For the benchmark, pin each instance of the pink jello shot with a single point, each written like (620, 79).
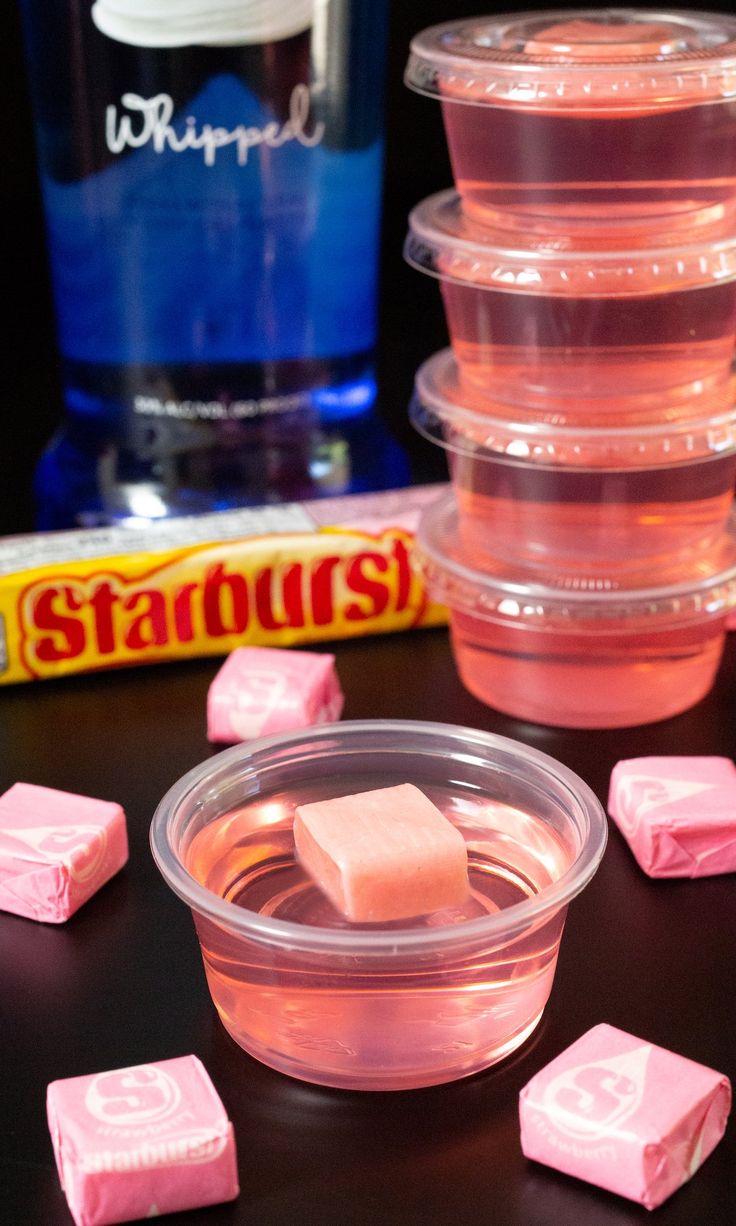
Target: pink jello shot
(139, 1142)
(592, 500)
(615, 332)
(616, 123)
(579, 650)
(387, 854)
(678, 814)
(261, 690)
(56, 850)
(625, 1115)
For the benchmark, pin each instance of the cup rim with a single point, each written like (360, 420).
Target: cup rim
(468, 55)
(597, 604)
(445, 242)
(585, 809)
(434, 408)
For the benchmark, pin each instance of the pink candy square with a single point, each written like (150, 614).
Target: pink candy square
(56, 850)
(263, 690)
(678, 814)
(624, 1115)
(383, 855)
(138, 1142)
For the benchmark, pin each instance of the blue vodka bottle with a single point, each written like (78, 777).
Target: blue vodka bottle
(211, 177)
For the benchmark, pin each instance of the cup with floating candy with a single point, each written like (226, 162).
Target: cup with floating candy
(312, 961)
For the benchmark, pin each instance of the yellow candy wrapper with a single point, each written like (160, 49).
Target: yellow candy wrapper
(275, 576)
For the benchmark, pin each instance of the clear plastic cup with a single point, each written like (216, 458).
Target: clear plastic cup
(577, 653)
(601, 501)
(614, 122)
(621, 333)
(379, 1006)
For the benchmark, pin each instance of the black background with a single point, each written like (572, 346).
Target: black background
(121, 983)
(411, 321)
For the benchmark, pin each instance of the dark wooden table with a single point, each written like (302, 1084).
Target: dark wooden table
(122, 982)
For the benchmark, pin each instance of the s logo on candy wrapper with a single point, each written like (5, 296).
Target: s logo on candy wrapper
(80, 848)
(140, 1095)
(265, 693)
(594, 1099)
(266, 688)
(639, 795)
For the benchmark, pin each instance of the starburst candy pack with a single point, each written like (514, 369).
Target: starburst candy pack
(276, 576)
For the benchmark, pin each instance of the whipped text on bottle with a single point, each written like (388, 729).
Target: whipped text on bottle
(177, 24)
(149, 122)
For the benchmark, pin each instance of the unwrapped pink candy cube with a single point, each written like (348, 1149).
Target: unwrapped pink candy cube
(624, 1115)
(677, 814)
(138, 1142)
(56, 850)
(261, 690)
(383, 855)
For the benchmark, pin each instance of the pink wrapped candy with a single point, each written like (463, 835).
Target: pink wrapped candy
(260, 690)
(138, 1142)
(677, 814)
(625, 1115)
(56, 850)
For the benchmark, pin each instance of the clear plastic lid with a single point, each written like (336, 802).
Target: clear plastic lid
(512, 596)
(446, 243)
(442, 410)
(591, 59)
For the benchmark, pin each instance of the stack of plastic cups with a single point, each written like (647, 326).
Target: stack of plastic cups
(587, 263)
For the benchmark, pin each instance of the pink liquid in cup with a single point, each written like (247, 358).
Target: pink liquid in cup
(391, 1005)
(591, 347)
(614, 123)
(600, 521)
(595, 501)
(624, 334)
(574, 679)
(385, 1015)
(579, 653)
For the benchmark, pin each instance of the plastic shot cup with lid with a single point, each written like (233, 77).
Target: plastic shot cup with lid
(612, 121)
(600, 501)
(393, 1005)
(637, 334)
(577, 653)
